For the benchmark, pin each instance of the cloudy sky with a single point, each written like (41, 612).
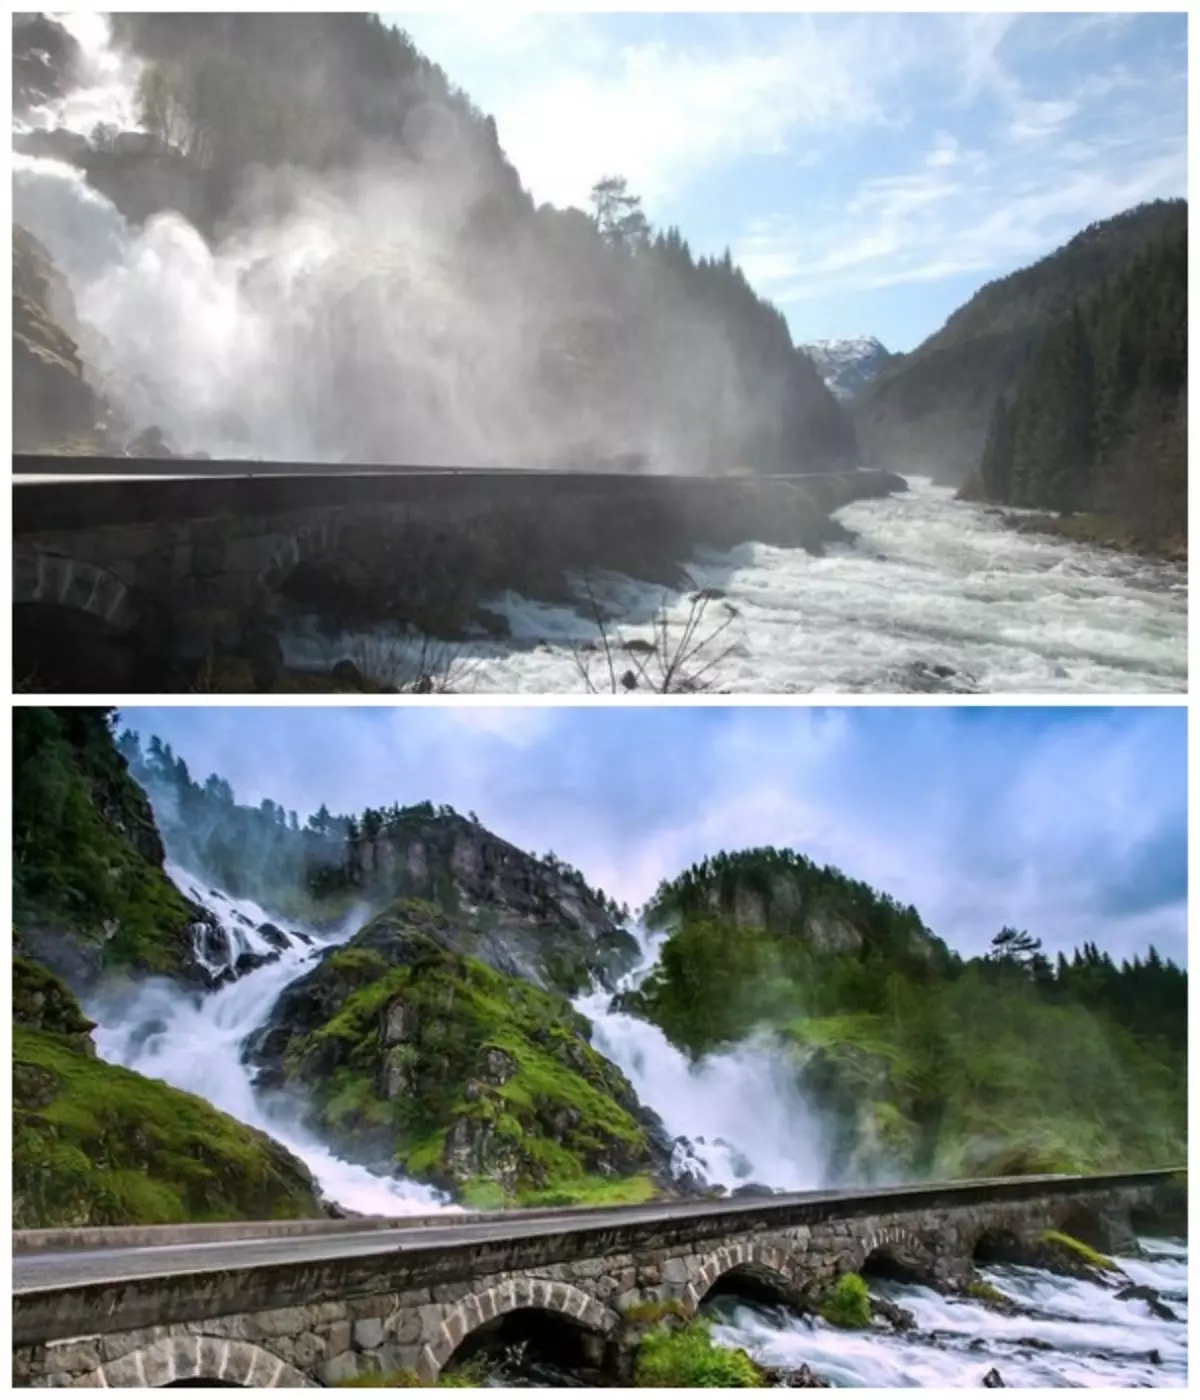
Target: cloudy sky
(869, 171)
(1068, 822)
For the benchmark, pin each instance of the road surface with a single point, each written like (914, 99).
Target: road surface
(67, 1268)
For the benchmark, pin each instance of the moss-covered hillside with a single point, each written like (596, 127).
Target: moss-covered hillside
(94, 1144)
(89, 892)
(920, 1061)
(475, 1080)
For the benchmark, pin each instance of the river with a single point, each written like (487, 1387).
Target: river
(934, 594)
(1068, 1333)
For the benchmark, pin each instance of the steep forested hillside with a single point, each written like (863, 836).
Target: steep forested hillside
(94, 1144)
(928, 411)
(1098, 420)
(89, 892)
(927, 1062)
(549, 336)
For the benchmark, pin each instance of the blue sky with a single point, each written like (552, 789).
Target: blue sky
(869, 171)
(1068, 822)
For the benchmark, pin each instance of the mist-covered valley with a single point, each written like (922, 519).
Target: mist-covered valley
(399, 1013)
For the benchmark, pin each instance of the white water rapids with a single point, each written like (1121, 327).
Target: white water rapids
(929, 582)
(1069, 1333)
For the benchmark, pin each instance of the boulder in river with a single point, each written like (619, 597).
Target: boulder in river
(1143, 1293)
(793, 1378)
(994, 1380)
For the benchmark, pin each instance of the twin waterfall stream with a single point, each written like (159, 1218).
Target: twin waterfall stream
(744, 1120)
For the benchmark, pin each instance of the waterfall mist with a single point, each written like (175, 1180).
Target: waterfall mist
(193, 1040)
(398, 298)
(741, 1110)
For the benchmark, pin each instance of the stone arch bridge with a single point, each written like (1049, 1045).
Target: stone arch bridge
(315, 1303)
(223, 539)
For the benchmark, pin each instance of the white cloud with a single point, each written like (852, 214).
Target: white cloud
(1071, 830)
(577, 102)
(943, 218)
(1000, 159)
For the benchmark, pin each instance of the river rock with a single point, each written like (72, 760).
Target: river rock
(752, 1190)
(275, 936)
(994, 1380)
(801, 1377)
(251, 962)
(900, 1318)
(1143, 1293)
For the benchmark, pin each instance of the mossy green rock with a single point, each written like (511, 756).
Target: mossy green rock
(89, 890)
(847, 1303)
(94, 1144)
(44, 1002)
(416, 1056)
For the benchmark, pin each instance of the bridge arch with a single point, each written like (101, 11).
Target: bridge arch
(41, 576)
(1104, 1226)
(999, 1239)
(898, 1247)
(199, 1359)
(511, 1296)
(766, 1262)
(290, 549)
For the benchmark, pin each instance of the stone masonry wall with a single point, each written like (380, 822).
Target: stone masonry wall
(420, 1329)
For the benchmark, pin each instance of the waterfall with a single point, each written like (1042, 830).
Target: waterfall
(193, 1040)
(740, 1110)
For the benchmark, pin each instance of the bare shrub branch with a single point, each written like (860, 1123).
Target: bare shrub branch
(666, 666)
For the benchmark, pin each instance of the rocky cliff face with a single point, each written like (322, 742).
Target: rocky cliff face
(46, 61)
(518, 914)
(54, 407)
(781, 894)
(408, 1052)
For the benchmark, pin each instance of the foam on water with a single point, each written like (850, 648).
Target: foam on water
(194, 1040)
(740, 1109)
(929, 582)
(107, 86)
(1069, 1333)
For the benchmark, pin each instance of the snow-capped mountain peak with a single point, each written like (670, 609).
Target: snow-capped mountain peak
(847, 365)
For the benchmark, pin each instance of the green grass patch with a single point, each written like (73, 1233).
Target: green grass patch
(1077, 1247)
(654, 1311)
(688, 1356)
(594, 1191)
(847, 1303)
(95, 1144)
(484, 1195)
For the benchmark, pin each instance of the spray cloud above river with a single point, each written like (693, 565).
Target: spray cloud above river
(403, 304)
